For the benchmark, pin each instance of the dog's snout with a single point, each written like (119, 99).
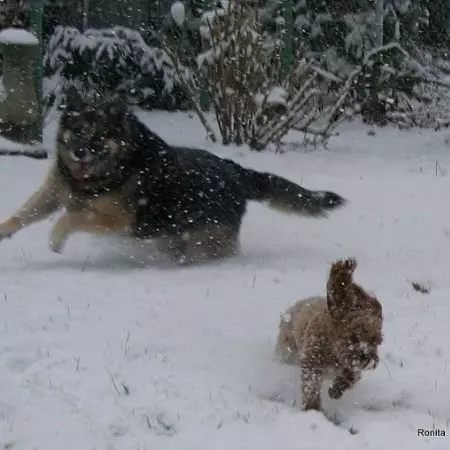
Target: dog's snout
(80, 154)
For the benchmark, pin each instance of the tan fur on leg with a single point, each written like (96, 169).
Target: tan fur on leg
(39, 206)
(211, 243)
(200, 245)
(286, 348)
(311, 379)
(312, 372)
(89, 222)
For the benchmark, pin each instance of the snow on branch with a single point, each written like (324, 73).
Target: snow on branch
(411, 63)
(255, 101)
(190, 92)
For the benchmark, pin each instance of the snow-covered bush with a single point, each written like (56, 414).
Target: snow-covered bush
(105, 61)
(383, 86)
(338, 35)
(255, 98)
(233, 69)
(437, 33)
(255, 101)
(390, 85)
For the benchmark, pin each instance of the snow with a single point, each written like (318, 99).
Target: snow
(8, 146)
(205, 32)
(178, 13)
(103, 347)
(17, 36)
(277, 96)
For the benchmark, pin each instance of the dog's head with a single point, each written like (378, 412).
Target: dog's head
(357, 318)
(357, 341)
(90, 138)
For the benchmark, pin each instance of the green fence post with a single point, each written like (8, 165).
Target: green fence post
(289, 29)
(205, 100)
(36, 19)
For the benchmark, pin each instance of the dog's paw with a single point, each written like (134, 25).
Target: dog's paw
(7, 229)
(56, 246)
(313, 405)
(4, 235)
(58, 237)
(58, 242)
(335, 391)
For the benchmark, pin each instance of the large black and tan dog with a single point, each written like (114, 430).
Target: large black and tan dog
(113, 175)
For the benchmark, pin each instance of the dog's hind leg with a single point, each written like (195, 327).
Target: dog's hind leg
(173, 247)
(199, 246)
(39, 206)
(216, 242)
(286, 350)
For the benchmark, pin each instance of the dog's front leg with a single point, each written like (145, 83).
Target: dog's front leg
(312, 372)
(39, 206)
(343, 381)
(311, 384)
(88, 221)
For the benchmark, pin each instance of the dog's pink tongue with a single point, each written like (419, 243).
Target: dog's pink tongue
(80, 171)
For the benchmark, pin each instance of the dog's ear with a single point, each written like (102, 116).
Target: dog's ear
(74, 101)
(340, 298)
(118, 108)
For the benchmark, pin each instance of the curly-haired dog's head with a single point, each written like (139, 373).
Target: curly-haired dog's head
(356, 343)
(339, 333)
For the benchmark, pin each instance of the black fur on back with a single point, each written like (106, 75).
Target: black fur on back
(183, 188)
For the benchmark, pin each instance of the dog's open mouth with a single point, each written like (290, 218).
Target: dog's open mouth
(80, 171)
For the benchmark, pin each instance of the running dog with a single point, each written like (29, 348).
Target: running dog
(113, 175)
(339, 334)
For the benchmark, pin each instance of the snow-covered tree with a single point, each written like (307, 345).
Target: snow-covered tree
(437, 34)
(338, 33)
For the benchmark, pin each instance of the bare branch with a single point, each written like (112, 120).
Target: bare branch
(190, 94)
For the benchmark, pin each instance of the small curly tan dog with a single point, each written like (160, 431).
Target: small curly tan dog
(338, 334)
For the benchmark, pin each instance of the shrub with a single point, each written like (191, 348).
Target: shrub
(105, 61)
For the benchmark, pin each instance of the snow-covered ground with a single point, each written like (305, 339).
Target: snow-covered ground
(105, 348)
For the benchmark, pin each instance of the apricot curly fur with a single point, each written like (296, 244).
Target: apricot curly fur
(339, 333)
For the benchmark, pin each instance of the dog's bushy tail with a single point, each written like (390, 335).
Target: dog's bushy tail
(286, 196)
(341, 276)
(340, 292)
(344, 295)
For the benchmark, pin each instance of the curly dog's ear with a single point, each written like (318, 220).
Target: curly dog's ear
(340, 300)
